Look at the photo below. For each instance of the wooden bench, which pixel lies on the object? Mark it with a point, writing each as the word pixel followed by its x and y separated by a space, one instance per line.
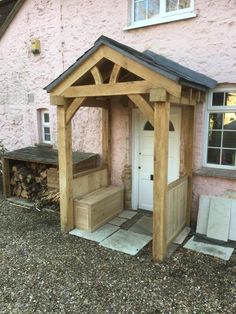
pixel 98 207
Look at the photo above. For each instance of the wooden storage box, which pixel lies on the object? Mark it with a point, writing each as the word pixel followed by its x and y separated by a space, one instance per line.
pixel 97 208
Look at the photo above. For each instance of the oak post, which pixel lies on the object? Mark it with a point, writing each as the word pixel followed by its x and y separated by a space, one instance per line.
pixel 106 152
pixel 160 188
pixel 188 133
pixel 65 170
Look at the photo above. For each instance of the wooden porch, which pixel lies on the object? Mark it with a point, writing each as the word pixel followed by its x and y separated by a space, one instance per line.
pixel 110 69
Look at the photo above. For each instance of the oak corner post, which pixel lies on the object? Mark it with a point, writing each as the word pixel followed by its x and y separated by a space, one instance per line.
pixel 65 170
pixel 160 188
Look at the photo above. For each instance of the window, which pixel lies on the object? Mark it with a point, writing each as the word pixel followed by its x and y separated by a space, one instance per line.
pixel 221 129
pixel 45 126
pixel 148 12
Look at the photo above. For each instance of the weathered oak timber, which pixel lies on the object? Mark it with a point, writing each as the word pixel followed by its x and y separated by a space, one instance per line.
pixel 158 95
pixel 188 114
pixel 111 89
pixel 115 73
pixel 142 71
pixel 161 132
pixel 73 108
pixel 143 106
pixel 65 170
pixel 97 75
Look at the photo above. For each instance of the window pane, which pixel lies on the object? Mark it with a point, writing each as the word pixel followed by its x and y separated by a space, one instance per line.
pixel 230 99
pixel 173 5
pixel 229 139
pixel 213 156
pixel 230 121
pixel 153 8
pixel 47 137
pixel 46 130
pixel 218 99
pixel 214 138
pixel 46 117
pixel 228 157
pixel 139 10
pixel 215 121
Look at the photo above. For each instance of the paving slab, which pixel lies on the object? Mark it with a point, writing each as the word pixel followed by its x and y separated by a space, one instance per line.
pixel 126 241
pixel 232 226
pixel 117 221
pixel 143 226
pixel 182 235
pixel 98 235
pixel 219 218
pixel 209 249
pixel 203 213
pixel 128 214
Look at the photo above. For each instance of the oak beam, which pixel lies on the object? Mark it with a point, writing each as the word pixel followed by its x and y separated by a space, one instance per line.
pixel 143 106
pixel 97 76
pixel 59 100
pixel 158 95
pixel 65 171
pixel 115 73
pixel 160 188
pixel 142 71
pixel 111 89
pixel 73 108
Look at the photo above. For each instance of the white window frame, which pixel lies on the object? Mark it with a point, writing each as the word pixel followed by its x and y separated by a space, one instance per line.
pixel 215 109
pixel 163 17
pixel 43 125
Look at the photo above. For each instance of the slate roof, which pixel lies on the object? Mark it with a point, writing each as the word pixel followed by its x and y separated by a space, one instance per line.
pixel 157 63
pixel 8 10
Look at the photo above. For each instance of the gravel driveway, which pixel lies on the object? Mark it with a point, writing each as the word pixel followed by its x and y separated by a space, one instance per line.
pixel 43 271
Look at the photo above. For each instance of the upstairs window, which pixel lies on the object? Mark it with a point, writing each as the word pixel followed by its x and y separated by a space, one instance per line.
pixel 221 130
pixel 45 126
pixel 148 12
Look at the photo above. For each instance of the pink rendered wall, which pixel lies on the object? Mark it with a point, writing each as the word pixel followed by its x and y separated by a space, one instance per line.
pixel 67 29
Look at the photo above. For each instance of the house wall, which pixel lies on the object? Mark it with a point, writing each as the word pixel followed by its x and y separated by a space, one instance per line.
pixel 66 29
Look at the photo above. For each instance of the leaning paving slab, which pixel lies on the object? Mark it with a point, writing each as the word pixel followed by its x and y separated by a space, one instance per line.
pixel 219 219
pixel 203 213
pixel 126 241
pixel 143 226
pixel 128 214
pixel 98 235
pixel 209 249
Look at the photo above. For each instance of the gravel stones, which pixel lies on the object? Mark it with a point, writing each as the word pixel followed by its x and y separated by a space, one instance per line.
pixel 44 271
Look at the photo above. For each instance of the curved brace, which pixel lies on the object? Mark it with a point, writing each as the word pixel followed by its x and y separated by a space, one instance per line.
pixel 115 73
pixel 97 75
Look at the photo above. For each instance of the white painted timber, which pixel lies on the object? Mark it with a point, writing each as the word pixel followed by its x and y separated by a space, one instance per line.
pixel 209 249
pixel 143 226
pixel 126 241
pixel 98 235
pixel 182 235
pixel 219 218
pixel 232 227
pixel 203 213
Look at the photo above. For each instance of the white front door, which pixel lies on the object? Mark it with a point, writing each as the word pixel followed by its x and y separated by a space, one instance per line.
pixel 145 156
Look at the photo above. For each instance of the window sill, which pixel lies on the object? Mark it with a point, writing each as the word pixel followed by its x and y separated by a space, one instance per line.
pixel 216 173
pixel 162 20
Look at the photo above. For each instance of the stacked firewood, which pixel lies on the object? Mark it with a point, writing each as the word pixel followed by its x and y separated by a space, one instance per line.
pixel 28 180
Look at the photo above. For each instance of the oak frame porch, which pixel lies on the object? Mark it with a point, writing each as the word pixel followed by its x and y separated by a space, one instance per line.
pixel 153 93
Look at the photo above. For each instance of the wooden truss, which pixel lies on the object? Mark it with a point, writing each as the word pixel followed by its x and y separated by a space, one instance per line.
pixel 106 73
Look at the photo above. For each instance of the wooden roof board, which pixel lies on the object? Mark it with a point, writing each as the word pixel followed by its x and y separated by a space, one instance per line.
pixel 175 71
pixel 44 155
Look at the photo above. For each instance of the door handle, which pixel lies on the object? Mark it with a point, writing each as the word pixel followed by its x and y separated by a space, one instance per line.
pixel 151 177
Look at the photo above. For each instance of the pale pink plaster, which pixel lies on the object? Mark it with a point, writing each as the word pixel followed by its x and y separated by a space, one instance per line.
pixel 67 29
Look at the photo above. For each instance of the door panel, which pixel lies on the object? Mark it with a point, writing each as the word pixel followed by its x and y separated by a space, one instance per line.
pixel 146 147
